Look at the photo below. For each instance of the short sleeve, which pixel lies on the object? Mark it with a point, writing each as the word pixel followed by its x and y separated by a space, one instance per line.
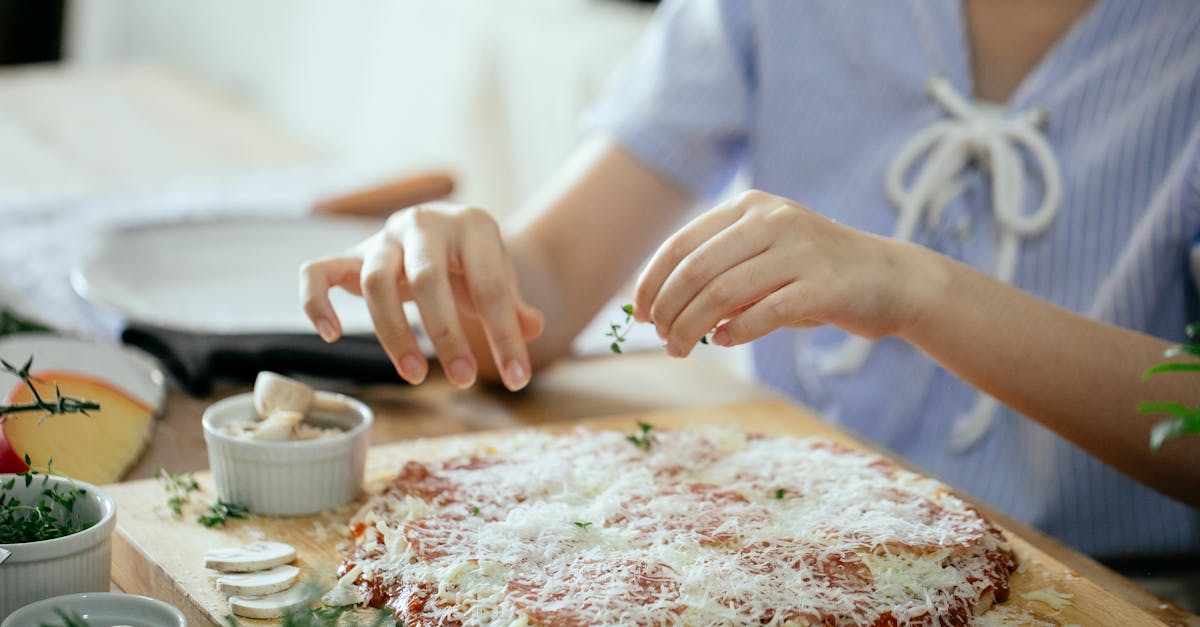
pixel 681 104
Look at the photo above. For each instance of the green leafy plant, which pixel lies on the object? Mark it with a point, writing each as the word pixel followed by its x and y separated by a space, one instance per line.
pixel 1184 420
pixel 60 405
pixel 51 517
pixel 582 525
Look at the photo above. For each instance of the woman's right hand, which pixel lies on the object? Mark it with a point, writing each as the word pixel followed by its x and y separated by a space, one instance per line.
pixel 449 259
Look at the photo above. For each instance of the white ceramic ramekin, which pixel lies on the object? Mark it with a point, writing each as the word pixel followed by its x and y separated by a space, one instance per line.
pixel 287 478
pixel 80 562
pixel 99 608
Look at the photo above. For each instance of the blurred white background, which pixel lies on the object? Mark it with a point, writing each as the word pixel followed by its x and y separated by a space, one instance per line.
pixel 488 88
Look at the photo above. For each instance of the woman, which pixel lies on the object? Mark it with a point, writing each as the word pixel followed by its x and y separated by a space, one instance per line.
pixel 1039 245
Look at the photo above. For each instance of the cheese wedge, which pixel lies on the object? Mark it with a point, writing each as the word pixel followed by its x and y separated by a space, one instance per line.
pixel 97 448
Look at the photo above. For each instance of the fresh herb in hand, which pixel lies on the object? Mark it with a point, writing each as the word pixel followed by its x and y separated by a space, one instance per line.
pixel 618 331
pixel 644 439
pixel 52 516
pixel 60 405
pixel 1185 419
pixel 220 512
pixel 179 488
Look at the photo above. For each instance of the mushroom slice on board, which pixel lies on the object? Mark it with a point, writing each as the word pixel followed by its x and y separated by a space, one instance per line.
pixel 259 583
pixel 252 557
pixel 271 605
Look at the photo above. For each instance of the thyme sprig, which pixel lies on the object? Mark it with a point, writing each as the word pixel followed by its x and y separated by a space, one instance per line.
pixel 60 405
pixel 221 511
pixel 51 517
pixel 618 331
pixel 643 439
pixel 1184 419
pixel 179 487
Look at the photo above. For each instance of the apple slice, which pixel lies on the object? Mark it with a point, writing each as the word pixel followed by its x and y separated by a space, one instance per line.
pixel 97 448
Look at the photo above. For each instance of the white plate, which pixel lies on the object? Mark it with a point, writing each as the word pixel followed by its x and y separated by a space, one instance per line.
pixel 126 368
pixel 225 276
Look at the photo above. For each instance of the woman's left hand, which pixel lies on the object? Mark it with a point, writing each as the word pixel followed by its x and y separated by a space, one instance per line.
pixel 761 262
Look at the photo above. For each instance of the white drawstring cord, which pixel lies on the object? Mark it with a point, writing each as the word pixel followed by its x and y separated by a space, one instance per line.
pixel 982 133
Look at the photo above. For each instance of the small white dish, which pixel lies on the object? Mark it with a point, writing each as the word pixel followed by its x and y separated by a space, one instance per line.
pixel 80 562
pixel 287 478
pixel 99 609
pixel 132 371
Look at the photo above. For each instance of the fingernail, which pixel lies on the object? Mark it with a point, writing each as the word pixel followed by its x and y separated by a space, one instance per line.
pixel 325 330
pixel 461 372
pixel 674 352
pixel 640 314
pixel 721 337
pixel 413 368
pixel 515 375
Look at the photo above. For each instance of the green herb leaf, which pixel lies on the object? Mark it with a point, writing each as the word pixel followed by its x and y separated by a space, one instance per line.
pixel 583 525
pixel 1172 409
pixel 474 510
pixel 779 494
pixel 614 347
pixel 1182 349
pixel 1174 366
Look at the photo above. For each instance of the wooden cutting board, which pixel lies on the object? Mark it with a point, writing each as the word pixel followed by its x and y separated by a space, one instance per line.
pixel 156 555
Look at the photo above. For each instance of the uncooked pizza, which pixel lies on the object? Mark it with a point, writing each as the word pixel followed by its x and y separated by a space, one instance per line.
pixel 691 527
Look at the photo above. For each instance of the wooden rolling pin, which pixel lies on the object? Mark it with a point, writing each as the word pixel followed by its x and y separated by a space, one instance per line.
pixel 391 196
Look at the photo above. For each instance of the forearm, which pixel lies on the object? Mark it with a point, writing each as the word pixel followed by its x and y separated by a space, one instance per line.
pixel 1079 377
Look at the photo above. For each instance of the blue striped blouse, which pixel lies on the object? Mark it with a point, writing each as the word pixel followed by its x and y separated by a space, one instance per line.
pixel 812 100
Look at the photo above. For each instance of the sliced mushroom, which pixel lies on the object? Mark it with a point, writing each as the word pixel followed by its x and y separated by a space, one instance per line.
pixel 271 605
pixel 259 583
pixel 273 392
pixel 280 426
pixel 250 558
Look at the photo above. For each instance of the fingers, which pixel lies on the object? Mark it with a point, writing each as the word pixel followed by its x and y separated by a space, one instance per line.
pixel 426 265
pixel 741 241
pixel 382 269
pixel 316 279
pixel 786 306
pixel 726 296
pixel 493 294
pixel 675 250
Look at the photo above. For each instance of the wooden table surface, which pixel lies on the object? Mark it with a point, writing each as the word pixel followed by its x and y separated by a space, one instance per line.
pixel 573 389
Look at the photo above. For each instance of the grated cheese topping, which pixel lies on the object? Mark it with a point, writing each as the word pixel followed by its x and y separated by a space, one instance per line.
pixel 707 526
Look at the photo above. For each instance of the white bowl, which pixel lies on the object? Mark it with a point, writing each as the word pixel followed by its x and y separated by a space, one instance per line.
pixel 287 478
pixel 99 609
pixel 80 562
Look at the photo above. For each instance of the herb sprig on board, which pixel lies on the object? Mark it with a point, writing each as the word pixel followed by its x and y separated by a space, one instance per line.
pixel 52 516
pixel 220 512
pixel 179 487
pixel 60 405
pixel 1184 420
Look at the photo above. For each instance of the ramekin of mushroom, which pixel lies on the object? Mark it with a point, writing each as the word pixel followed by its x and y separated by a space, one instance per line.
pixel 286 449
